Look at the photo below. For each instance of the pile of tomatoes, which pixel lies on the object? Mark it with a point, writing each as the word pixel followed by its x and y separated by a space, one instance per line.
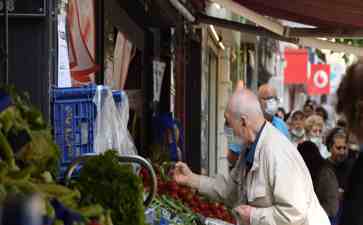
pixel 189 197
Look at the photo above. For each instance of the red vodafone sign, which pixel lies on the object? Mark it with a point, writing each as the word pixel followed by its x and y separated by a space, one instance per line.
pixel 319 82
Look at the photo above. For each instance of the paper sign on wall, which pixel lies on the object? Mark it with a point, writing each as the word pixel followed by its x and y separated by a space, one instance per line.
pixel 64 75
pixel 158 75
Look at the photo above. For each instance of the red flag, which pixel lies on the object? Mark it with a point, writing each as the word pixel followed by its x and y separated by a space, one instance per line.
pixel 319 82
pixel 296 66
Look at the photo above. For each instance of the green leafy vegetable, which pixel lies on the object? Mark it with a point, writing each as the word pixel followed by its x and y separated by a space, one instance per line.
pixel 104 180
pixel 41 151
pixel 37 147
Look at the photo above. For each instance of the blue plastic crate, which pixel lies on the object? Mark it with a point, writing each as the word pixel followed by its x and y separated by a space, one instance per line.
pixel 73 117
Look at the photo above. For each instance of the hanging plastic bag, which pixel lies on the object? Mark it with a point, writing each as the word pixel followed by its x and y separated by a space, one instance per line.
pixel 111 123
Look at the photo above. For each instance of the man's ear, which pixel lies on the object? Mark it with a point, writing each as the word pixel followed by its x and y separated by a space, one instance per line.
pixel 243 120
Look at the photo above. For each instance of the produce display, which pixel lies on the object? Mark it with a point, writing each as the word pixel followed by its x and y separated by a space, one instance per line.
pixel 106 193
pixel 24 135
pixel 103 180
pixel 183 201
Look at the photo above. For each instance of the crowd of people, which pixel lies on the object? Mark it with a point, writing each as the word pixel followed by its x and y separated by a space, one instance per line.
pixel 328 149
pixel 301 167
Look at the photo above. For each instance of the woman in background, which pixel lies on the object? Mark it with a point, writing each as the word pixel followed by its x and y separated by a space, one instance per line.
pixel 324 179
pixel 314 126
pixel 297 127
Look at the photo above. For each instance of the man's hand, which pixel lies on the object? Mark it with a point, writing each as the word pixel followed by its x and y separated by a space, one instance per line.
pixel 184 176
pixel 244 212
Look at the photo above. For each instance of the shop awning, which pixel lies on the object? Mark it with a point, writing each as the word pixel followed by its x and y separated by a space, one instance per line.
pixel 346 20
pixel 321 13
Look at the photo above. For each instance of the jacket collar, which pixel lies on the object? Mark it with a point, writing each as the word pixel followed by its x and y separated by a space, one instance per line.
pixel 251 154
pixel 260 140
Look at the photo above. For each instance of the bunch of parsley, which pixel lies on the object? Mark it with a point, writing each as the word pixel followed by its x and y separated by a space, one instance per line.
pixel 104 180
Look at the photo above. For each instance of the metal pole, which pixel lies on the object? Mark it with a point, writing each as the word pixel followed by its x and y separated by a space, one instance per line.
pixel 6 42
pixel 257 62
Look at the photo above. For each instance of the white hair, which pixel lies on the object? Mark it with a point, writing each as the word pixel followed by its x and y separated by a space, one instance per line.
pixel 244 103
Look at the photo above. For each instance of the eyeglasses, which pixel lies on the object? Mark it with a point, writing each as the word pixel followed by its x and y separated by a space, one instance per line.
pixel 270 97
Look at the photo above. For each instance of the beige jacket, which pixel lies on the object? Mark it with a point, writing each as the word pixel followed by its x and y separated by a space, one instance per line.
pixel 278 185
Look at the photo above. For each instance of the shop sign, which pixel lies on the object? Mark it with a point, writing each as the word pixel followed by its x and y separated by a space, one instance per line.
pixel 319 82
pixel 24 7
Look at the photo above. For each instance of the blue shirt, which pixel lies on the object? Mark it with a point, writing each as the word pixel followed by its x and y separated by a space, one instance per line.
pixel 280 125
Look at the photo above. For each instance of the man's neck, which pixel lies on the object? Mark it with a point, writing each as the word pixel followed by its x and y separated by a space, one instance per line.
pixel 257 128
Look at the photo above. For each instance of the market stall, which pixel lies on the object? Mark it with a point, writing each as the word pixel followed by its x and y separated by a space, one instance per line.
pixel 46 183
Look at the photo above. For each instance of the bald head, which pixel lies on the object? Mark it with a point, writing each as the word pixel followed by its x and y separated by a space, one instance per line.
pixel 266 91
pixel 245 116
pixel 267 94
pixel 245 103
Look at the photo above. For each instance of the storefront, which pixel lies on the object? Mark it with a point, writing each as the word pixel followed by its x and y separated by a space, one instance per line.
pixel 31 59
pixel 127 44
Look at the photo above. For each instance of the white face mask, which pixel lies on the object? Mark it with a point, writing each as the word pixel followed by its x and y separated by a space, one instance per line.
pixel 271 107
pixel 316 140
pixel 298 132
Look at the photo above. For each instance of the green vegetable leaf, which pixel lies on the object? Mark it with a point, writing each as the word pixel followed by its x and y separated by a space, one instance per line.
pixel 104 180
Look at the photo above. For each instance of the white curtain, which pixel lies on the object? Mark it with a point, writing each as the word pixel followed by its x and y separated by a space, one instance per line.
pixel 123 55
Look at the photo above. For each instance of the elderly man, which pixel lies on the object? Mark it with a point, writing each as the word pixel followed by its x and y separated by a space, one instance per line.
pixel 270 184
pixel 268 100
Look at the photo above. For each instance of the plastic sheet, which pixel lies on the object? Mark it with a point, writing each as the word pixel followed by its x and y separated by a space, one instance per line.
pixel 111 123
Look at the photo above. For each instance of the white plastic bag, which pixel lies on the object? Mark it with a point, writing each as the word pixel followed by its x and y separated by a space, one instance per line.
pixel 111 123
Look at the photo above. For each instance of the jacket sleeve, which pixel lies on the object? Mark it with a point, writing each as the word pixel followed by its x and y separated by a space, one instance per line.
pixel 219 188
pixel 327 191
pixel 227 189
pixel 290 192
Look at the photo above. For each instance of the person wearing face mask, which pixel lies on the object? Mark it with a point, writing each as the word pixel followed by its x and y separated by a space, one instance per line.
pixel 260 187
pixel 234 146
pixel 297 129
pixel 234 143
pixel 324 179
pixel 268 99
pixel 314 126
